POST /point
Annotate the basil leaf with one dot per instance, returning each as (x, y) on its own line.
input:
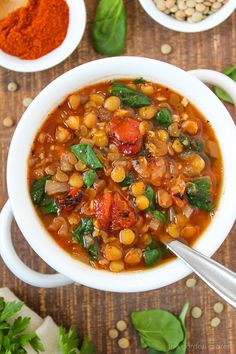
(85, 153)
(89, 177)
(129, 97)
(164, 117)
(37, 189)
(87, 347)
(199, 194)
(129, 179)
(159, 329)
(231, 73)
(48, 205)
(159, 215)
(191, 144)
(150, 194)
(139, 80)
(109, 27)
(153, 253)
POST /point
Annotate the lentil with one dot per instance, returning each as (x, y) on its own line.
(8, 122)
(218, 307)
(27, 101)
(123, 343)
(215, 322)
(121, 325)
(196, 312)
(166, 48)
(113, 333)
(191, 282)
(12, 86)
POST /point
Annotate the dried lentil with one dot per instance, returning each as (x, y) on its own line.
(166, 48)
(191, 282)
(8, 122)
(27, 101)
(123, 343)
(121, 325)
(196, 312)
(113, 333)
(215, 322)
(12, 86)
(218, 307)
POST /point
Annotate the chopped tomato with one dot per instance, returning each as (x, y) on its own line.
(126, 135)
(103, 209)
(71, 200)
(122, 214)
(180, 202)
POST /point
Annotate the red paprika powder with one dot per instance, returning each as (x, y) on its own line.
(35, 30)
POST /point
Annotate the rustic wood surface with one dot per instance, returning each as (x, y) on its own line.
(92, 311)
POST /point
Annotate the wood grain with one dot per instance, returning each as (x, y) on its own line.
(92, 311)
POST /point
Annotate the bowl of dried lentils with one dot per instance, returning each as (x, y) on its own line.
(189, 15)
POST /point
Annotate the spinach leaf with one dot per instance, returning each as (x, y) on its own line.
(153, 253)
(49, 205)
(150, 194)
(164, 117)
(87, 347)
(191, 144)
(159, 329)
(38, 189)
(231, 73)
(199, 194)
(159, 215)
(85, 153)
(130, 97)
(89, 177)
(83, 235)
(109, 27)
(129, 179)
(139, 80)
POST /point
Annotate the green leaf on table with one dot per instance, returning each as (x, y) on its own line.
(158, 328)
(68, 341)
(129, 97)
(191, 144)
(89, 178)
(164, 117)
(87, 347)
(231, 73)
(109, 27)
(198, 194)
(37, 189)
(85, 154)
(20, 325)
(10, 309)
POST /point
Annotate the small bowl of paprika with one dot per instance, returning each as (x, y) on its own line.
(40, 34)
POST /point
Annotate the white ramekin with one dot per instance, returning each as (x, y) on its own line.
(77, 23)
(70, 269)
(184, 26)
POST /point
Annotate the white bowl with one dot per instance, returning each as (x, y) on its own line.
(77, 22)
(183, 26)
(34, 232)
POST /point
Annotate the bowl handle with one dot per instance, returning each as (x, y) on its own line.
(15, 264)
(215, 78)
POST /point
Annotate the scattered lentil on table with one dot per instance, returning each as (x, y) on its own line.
(12, 86)
(8, 122)
(191, 11)
(215, 322)
(27, 101)
(218, 307)
(123, 343)
(121, 325)
(196, 312)
(191, 282)
(113, 333)
(166, 48)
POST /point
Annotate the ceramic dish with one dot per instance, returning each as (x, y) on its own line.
(183, 26)
(75, 32)
(72, 270)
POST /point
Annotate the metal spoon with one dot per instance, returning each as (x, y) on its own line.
(218, 277)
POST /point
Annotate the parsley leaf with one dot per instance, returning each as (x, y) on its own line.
(68, 341)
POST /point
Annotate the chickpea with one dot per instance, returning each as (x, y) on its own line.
(142, 202)
(132, 86)
(144, 128)
(138, 188)
(164, 198)
(177, 146)
(188, 231)
(112, 103)
(112, 253)
(97, 98)
(147, 89)
(62, 135)
(147, 112)
(71, 158)
(116, 266)
(100, 138)
(133, 256)
(74, 101)
(195, 165)
(174, 130)
(76, 180)
(190, 127)
(127, 236)
(173, 230)
(90, 120)
(80, 166)
(61, 176)
(163, 135)
(73, 122)
(118, 174)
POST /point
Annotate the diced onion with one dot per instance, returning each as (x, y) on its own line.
(187, 211)
(54, 187)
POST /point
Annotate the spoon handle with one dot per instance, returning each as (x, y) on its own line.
(219, 278)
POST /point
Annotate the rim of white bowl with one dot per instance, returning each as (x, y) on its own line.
(86, 74)
(77, 23)
(182, 26)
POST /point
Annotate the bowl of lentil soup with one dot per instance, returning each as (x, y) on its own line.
(189, 15)
(116, 156)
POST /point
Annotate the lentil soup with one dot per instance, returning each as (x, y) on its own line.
(119, 164)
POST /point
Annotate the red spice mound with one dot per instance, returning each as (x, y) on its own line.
(33, 31)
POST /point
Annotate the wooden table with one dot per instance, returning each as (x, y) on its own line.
(92, 311)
